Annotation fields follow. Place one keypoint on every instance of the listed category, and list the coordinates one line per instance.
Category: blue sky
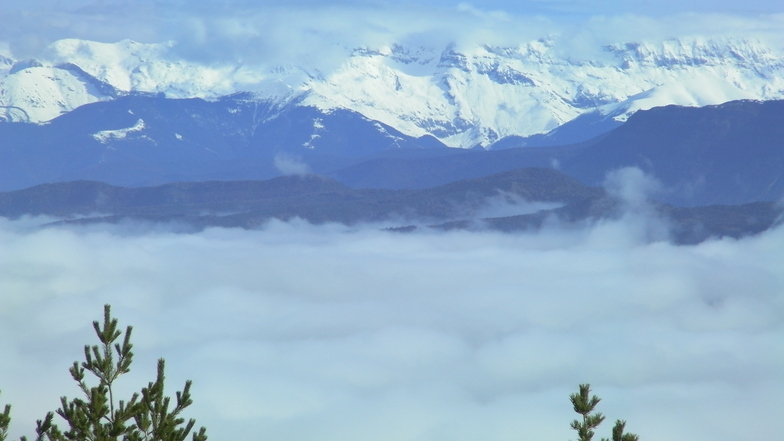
(516, 7)
(529, 7)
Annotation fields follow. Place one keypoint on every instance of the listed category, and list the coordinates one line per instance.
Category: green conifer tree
(5, 421)
(98, 416)
(584, 404)
(618, 435)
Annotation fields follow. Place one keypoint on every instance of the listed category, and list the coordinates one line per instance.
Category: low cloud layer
(298, 332)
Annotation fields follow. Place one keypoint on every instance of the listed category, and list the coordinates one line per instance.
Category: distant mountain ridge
(516, 200)
(314, 198)
(732, 153)
(461, 96)
(725, 154)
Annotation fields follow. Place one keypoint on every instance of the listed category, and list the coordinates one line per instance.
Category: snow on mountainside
(131, 66)
(71, 73)
(462, 96)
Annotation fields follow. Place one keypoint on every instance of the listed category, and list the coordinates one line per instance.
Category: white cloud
(318, 34)
(631, 186)
(302, 332)
(291, 166)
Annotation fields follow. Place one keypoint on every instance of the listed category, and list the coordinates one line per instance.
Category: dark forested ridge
(463, 204)
(311, 197)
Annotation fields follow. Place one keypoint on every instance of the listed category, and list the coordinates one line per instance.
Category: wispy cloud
(291, 165)
(333, 333)
(318, 33)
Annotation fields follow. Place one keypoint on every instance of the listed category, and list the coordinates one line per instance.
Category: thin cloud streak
(318, 35)
(328, 332)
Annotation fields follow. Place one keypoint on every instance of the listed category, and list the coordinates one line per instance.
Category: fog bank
(298, 332)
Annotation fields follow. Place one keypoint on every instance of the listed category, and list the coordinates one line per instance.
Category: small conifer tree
(5, 421)
(98, 416)
(584, 404)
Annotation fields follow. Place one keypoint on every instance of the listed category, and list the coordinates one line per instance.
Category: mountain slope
(732, 153)
(143, 140)
(727, 154)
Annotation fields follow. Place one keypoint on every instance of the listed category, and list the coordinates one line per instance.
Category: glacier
(464, 96)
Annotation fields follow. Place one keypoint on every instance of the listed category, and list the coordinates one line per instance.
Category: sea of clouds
(300, 332)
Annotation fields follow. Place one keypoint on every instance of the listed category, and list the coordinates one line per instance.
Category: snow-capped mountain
(462, 96)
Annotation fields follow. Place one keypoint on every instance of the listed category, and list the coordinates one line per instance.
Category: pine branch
(5, 421)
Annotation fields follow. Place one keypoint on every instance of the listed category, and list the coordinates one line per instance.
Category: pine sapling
(97, 416)
(584, 404)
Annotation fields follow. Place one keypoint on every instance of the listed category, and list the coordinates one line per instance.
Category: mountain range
(105, 132)
(725, 154)
(463, 96)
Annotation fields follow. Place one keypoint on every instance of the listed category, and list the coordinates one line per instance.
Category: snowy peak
(400, 54)
(36, 93)
(477, 95)
(130, 66)
(675, 53)
(697, 72)
(111, 63)
(464, 96)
